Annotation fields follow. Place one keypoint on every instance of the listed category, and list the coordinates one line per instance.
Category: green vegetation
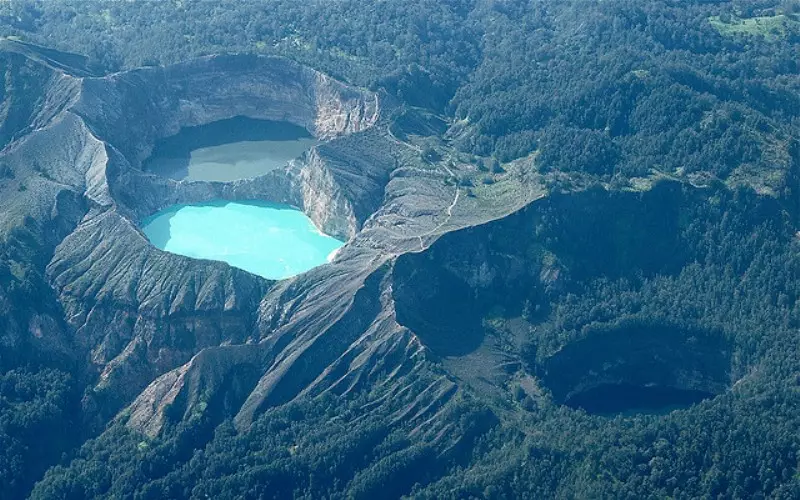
(515, 95)
(707, 269)
(38, 390)
(770, 27)
(645, 87)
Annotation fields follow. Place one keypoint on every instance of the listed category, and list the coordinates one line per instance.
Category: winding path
(449, 209)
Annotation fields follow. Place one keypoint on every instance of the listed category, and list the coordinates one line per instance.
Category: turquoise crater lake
(272, 241)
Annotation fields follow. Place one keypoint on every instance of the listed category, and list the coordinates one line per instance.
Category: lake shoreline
(270, 240)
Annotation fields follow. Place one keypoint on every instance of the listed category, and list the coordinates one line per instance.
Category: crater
(269, 240)
(639, 368)
(228, 150)
(626, 398)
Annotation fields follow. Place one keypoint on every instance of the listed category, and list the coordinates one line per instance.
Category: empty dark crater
(639, 368)
(611, 399)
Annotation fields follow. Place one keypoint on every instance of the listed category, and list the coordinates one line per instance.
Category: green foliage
(35, 419)
(769, 26)
(631, 86)
(314, 448)
(611, 90)
(640, 87)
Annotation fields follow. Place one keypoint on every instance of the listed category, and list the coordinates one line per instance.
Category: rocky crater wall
(137, 312)
(131, 111)
(641, 354)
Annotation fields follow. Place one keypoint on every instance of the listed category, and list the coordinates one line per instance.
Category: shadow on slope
(639, 366)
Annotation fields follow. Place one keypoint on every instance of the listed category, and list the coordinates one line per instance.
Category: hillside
(571, 266)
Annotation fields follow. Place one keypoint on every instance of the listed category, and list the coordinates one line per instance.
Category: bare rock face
(136, 312)
(178, 339)
(192, 389)
(323, 203)
(33, 93)
(131, 110)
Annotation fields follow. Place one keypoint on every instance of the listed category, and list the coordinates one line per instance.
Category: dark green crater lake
(228, 150)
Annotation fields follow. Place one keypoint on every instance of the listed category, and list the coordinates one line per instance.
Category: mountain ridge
(444, 324)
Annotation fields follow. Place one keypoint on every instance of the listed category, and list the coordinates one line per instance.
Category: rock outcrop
(137, 312)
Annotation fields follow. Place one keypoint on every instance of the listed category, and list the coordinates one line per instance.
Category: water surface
(273, 241)
(228, 150)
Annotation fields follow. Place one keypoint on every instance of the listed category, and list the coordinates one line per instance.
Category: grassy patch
(769, 27)
(508, 186)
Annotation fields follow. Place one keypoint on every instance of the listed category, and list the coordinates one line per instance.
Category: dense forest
(735, 281)
(624, 87)
(604, 92)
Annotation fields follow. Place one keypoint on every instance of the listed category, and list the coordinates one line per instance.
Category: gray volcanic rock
(131, 110)
(179, 339)
(136, 312)
(179, 333)
(32, 93)
(188, 390)
(124, 298)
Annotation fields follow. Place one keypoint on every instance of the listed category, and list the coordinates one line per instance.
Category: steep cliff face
(198, 331)
(131, 110)
(137, 311)
(31, 94)
(73, 165)
(520, 282)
